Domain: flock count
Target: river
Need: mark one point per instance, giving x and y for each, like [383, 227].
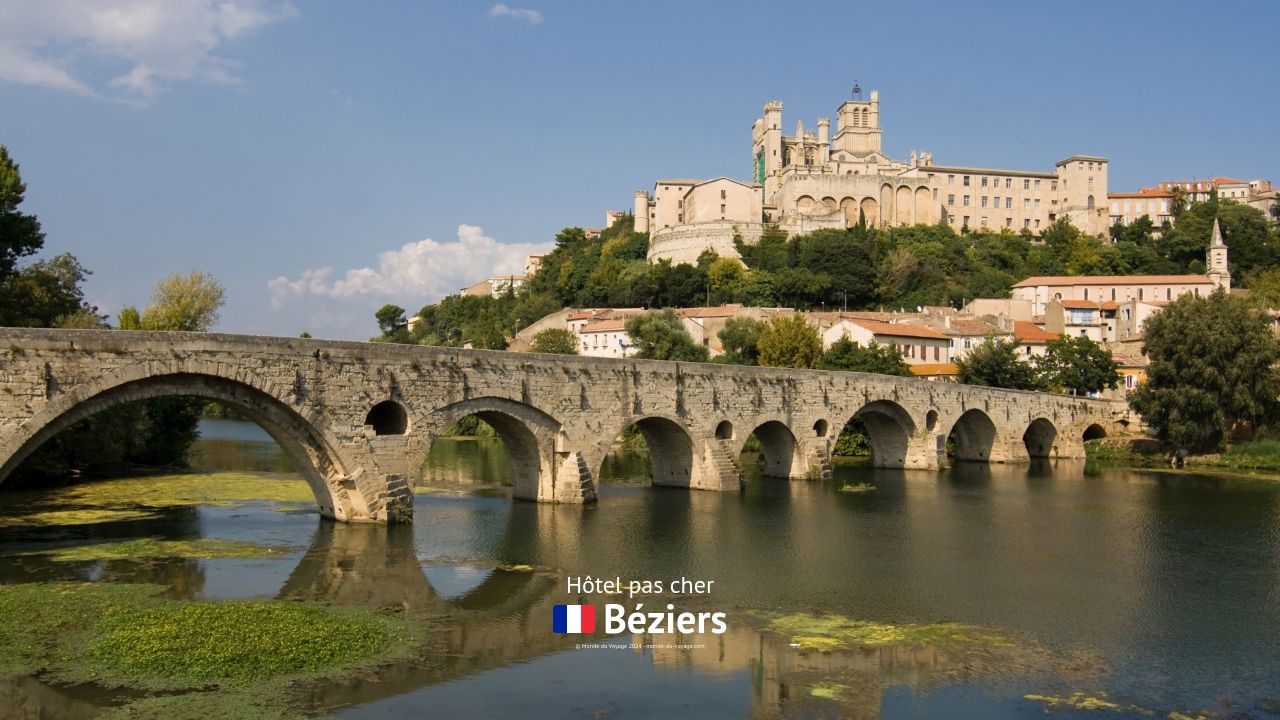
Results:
[1151, 592]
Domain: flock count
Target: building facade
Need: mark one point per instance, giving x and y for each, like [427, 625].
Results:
[811, 180]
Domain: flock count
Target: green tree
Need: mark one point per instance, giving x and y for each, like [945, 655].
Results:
[129, 318]
[660, 335]
[184, 301]
[740, 337]
[1077, 365]
[845, 354]
[44, 291]
[1212, 374]
[556, 341]
[789, 341]
[997, 363]
[20, 234]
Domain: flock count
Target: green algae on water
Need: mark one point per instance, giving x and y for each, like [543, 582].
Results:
[1085, 701]
[192, 643]
[85, 516]
[826, 633]
[128, 636]
[828, 690]
[139, 498]
[146, 548]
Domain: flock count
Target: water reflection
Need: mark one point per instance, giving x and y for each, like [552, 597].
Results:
[1159, 588]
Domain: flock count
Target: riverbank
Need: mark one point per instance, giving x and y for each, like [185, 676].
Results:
[1254, 458]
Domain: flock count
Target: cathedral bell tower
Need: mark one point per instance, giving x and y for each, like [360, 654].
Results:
[1215, 260]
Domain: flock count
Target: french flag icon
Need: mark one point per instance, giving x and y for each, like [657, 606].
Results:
[573, 619]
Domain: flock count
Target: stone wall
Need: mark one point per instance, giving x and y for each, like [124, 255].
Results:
[558, 415]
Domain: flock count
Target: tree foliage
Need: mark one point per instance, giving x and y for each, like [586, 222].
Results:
[184, 301]
[660, 335]
[845, 354]
[1077, 365]
[556, 341]
[998, 363]
[740, 337]
[789, 341]
[1212, 373]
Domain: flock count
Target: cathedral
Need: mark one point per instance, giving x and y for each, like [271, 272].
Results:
[807, 181]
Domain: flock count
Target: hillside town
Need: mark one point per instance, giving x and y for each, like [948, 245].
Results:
[809, 182]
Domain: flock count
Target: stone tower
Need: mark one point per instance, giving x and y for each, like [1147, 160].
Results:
[642, 211]
[1215, 259]
[766, 148]
[858, 127]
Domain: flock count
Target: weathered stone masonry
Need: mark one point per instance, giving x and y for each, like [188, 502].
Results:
[358, 419]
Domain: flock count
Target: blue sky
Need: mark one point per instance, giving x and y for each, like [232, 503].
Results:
[410, 148]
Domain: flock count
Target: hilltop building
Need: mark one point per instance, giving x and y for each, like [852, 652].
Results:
[807, 181]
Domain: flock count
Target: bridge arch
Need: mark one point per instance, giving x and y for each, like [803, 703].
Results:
[779, 449]
[1094, 431]
[1039, 437]
[889, 427]
[312, 449]
[528, 433]
[671, 456]
[974, 434]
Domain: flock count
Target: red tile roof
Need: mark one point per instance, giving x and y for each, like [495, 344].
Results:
[897, 329]
[1080, 304]
[1031, 333]
[935, 369]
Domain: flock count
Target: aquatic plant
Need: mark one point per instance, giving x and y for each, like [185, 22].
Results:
[189, 643]
[826, 633]
[1085, 701]
[204, 548]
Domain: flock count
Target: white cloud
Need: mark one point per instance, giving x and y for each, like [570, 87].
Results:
[533, 17]
[135, 46]
[416, 274]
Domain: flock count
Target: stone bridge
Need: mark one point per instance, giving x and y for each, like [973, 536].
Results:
[358, 419]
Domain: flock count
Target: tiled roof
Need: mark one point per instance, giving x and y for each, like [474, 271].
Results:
[935, 369]
[1030, 332]
[897, 329]
[1080, 304]
[1068, 280]
[603, 326]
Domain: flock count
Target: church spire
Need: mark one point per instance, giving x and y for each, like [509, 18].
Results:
[1215, 240]
[1215, 259]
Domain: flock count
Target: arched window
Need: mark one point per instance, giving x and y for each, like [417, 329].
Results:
[1090, 202]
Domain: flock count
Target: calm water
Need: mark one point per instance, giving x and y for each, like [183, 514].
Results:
[1160, 590]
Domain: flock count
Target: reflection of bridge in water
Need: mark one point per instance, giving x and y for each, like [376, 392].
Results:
[505, 619]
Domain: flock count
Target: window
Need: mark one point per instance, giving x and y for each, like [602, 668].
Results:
[1130, 382]
[966, 221]
[1008, 183]
[951, 199]
[1090, 182]
[936, 352]
[1008, 222]
[1026, 184]
[984, 201]
[1139, 293]
[1008, 203]
[1026, 203]
[1168, 293]
[984, 182]
[966, 201]
[1037, 184]
[935, 193]
[984, 221]
[951, 179]
[1037, 222]
[1026, 224]
[722, 194]
[1053, 185]
[966, 181]
[1113, 294]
